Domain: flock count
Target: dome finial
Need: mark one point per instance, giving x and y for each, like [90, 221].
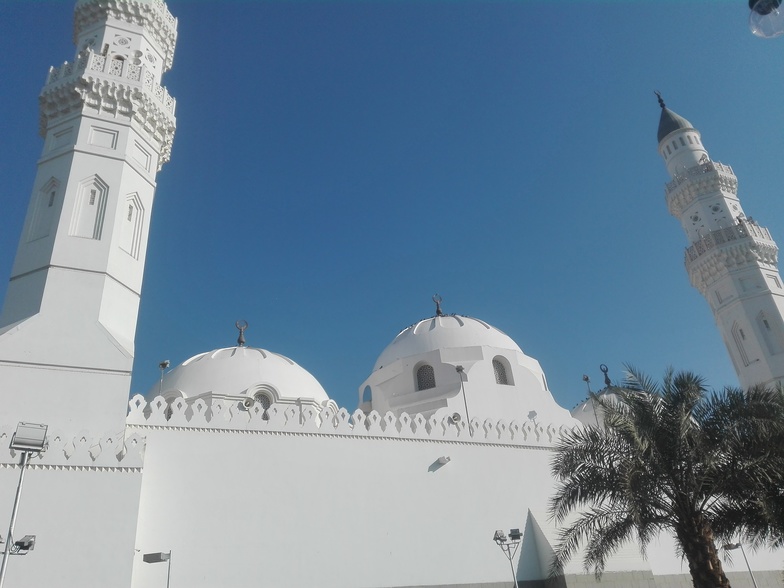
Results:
[661, 100]
[437, 299]
[607, 381]
[241, 326]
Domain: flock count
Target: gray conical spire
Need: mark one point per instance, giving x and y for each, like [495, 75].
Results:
[669, 121]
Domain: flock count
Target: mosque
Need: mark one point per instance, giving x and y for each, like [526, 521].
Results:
[237, 469]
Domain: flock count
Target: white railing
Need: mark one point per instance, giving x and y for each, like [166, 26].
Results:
[718, 237]
[89, 62]
[713, 167]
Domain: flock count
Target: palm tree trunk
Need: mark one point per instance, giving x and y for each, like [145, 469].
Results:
[700, 551]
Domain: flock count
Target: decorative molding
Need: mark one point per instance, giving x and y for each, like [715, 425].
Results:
[118, 452]
[153, 15]
[705, 269]
[149, 105]
[230, 416]
[700, 180]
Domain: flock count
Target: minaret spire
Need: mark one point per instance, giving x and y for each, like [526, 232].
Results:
[731, 260]
[69, 319]
[661, 100]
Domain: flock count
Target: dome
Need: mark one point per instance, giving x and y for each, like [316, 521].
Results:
[237, 371]
[443, 332]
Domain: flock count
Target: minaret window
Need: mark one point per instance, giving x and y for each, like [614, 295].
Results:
[51, 198]
[669, 151]
[689, 138]
[682, 141]
[425, 377]
[674, 144]
[774, 337]
[739, 336]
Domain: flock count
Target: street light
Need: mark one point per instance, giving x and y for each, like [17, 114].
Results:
[509, 546]
[731, 546]
[766, 18]
[29, 439]
[159, 557]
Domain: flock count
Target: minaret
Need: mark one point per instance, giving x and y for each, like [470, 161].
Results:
[731, 259]
[69, 319]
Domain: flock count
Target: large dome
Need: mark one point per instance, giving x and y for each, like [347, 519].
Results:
[237, 371]
[443, 332]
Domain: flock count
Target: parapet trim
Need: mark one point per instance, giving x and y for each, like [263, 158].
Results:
[113, 453]
[231, 416]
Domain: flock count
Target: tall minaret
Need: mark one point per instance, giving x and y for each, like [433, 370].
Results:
[69, 319]
[731, 260]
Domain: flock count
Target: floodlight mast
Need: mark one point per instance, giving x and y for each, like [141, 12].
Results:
[29, 439]
[509, 546]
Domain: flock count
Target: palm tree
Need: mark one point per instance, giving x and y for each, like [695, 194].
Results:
[671, 457]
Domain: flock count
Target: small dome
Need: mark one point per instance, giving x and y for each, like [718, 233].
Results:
[236, 371]
[443, 332]
[670, 122]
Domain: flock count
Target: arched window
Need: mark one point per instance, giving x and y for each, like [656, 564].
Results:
[367, 395]
[499, 369]
[425, 377]
[265, 402]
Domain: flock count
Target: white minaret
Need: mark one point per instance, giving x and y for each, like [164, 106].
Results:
[731, 260]
[69, 319]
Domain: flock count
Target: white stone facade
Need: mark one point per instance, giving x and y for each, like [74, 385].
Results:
[238, 464]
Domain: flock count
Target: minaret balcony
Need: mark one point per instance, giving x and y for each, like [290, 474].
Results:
[90, 63]
[706, 178]
[697, 172]
[744, 230]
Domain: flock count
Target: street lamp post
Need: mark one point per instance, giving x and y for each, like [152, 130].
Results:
[509, 546]
[731, 546]
[158, 558]
[29, 439]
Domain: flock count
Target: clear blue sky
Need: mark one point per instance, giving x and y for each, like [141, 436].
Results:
[337, 163]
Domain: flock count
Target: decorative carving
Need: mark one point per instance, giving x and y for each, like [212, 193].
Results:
[697, 181]
[153, 15]
[307, 420]
[149, 106]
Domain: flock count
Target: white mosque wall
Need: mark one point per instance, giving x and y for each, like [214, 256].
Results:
[79, 499]
[341, 500]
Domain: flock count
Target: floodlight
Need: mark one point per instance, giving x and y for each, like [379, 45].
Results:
[509, 548]
[29, 437]
[160, 557]
[156, 557]
[26, 543]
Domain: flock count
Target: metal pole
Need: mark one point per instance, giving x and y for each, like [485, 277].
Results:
[743, 551]
[168, 573]
[511, 565]
[9, 540]
[460, 372]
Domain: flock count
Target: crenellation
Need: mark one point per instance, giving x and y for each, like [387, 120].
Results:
[227, 415]
[83, 450]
